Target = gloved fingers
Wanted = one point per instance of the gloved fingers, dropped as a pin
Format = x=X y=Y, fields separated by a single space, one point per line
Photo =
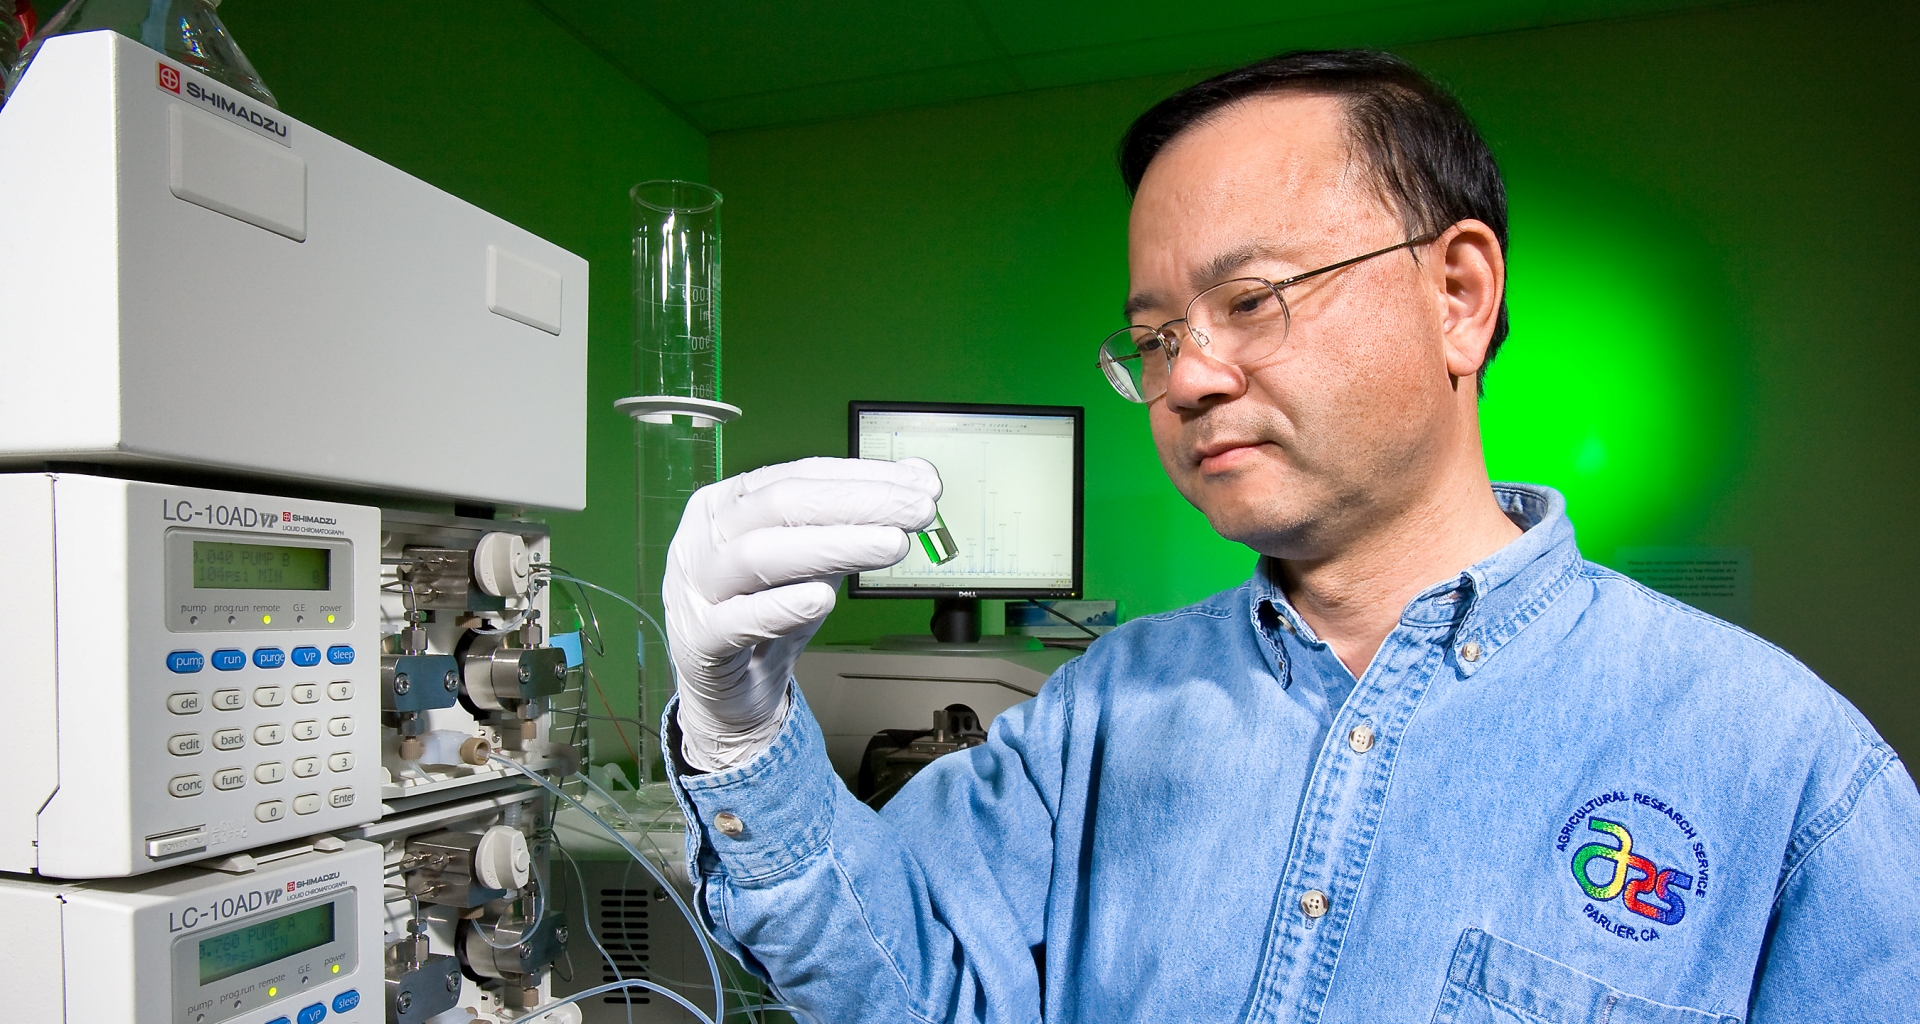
x=817 y=502
x=903 y=472
x=742 y=622
x=777 y=556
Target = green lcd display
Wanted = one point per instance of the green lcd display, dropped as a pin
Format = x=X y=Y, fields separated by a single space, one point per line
x=218 y=565
x=257 y=945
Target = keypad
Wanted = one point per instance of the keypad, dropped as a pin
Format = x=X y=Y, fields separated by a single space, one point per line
x=267 y=735
x=306 y=767
x=270 y=772
x=186 y=785
x=269 y=696
x=229 y=700
x=306 y=657
x=185 y=661
x=229 y=739
x=340 y=654
x=269 y=657
x=306 y=730
x=229 y=660
x=270 y=810
x=340 y=726
x=229 y=778
x=340 y=691
x=184 y=703
x=340 y=762
x=306 y=693
x=340 y=798
x=306 y=803
x=185 y=744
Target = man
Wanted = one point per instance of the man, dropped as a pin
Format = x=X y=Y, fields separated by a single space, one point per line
x=1426 y=765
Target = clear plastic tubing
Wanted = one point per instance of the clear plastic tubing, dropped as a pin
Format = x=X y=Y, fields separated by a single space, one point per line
x=676 y=351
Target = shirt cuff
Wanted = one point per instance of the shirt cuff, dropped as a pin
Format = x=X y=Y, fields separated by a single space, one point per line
x=763 y=818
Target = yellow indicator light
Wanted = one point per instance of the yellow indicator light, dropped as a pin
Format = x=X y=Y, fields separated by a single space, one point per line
x=329 y=618
x=271 y=992
x=264 y=619
x=336 y=968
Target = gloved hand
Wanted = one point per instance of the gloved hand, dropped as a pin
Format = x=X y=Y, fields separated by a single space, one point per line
x=751 y=574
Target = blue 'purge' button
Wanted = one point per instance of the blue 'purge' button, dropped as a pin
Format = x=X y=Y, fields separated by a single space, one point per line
x=306 y=657
x=279 y=1020
x=186 y=661
x=314 y=1014
x=269 y=657
x=346 y=1000
x=340 y=654
x=229 y=660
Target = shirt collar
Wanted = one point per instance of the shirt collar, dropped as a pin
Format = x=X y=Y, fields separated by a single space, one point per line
x=1489 y=602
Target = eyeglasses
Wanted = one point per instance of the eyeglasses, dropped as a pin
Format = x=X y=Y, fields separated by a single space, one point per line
x=1238 y=322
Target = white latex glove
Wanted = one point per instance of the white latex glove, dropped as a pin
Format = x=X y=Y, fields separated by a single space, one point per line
x=752 y=572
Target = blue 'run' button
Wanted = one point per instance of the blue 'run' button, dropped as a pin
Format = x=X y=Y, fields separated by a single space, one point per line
x=346 y=1000
x=186 y=661
x=229 y=660
x=269 y=657
x=340 y=654
x=314 y=1014
x=306 y=657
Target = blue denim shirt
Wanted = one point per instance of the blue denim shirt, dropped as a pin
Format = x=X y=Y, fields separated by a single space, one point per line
x=1554 y=796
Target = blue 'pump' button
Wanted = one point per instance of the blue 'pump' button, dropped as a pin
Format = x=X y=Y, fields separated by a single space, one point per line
x=186 y=661
x=229 y=660
x=314 y=1014
x=269 y=657
x=306 y=657
x=346 y=1000
x=340 y=654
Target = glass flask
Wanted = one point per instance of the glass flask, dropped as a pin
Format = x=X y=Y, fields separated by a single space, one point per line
x=189 y=31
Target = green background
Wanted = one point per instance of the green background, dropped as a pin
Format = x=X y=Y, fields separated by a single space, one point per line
x=1712 y=283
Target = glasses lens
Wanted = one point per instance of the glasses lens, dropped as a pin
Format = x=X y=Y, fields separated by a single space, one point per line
x=1135 y=362
x=1240 y=321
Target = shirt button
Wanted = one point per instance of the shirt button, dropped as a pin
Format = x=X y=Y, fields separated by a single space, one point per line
x=1313 y=903
x=1361 y=738
x=1470 y=651
x=729 y=823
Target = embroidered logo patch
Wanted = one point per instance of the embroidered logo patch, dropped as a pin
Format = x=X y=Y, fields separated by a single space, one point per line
x=1639 y=850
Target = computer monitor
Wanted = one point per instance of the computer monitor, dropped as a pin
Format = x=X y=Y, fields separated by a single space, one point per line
x=1011 y=504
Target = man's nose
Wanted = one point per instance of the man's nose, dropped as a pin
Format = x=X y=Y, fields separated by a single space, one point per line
x=1198 y=380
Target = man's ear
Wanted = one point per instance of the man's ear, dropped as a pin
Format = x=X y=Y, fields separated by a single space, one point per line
x=1474 y=280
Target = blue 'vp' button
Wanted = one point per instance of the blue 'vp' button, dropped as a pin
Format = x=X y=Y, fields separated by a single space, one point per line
x=229 y=660
x=314 y=1014
x=340 y=654
x=306 y=657
x=346 y=1000
x=185 y=661
x=269 y=657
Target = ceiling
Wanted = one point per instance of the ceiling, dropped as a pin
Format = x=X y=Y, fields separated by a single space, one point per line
x=753 y=63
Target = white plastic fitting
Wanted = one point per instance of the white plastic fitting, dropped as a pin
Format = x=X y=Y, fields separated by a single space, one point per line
x=500 y=564
x=501 y=860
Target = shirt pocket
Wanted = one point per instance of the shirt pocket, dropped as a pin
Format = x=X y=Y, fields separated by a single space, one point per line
x=1493 y=981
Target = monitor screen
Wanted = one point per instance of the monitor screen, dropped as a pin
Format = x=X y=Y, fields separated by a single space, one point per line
x=1010 y=503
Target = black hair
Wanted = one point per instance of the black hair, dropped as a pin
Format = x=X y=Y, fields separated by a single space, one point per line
x=1428 y=160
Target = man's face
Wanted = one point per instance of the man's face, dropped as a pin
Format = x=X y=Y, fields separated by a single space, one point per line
x=1300 y=452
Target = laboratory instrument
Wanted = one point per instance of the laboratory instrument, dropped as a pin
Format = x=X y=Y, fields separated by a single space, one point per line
x=676 y=403
x=1010 y=507
x=292 y=934
x=466 y=667
x=203 y=286
x=196 y=672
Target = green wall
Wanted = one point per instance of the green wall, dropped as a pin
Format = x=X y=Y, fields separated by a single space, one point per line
x=506 y=110
x=1712 y=288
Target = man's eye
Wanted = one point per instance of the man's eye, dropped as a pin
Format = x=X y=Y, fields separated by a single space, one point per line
x=1253 y=302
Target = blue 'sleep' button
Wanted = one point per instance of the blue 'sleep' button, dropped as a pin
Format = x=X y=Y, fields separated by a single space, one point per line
x=340 y=654
x=346 y=1000
x=306 y=657
x=229 y=660
x=186 y=661
x=314 y=1014
x=269 y=657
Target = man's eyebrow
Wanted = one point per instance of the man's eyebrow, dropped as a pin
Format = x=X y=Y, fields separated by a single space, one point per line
x=1225 y=265
x=1137 y=302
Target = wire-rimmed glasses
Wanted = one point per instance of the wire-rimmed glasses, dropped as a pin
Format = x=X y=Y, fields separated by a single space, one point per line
x=1238 y=322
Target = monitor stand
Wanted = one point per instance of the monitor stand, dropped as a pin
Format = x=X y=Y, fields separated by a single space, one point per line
x=955 y=630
